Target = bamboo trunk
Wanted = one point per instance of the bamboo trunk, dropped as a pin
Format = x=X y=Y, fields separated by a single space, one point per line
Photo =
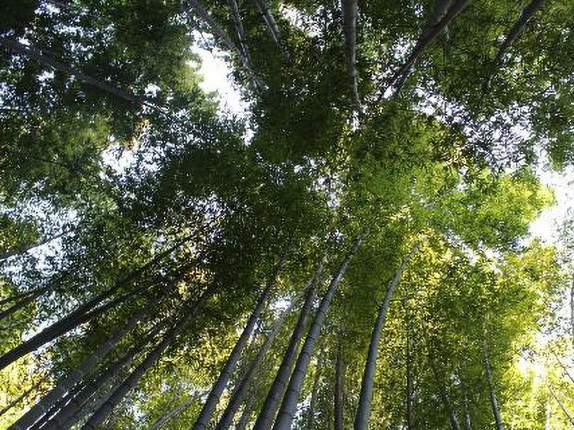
x=41 y=424
x=239 y=27
x=217 y=389
x=410 y=387
x=77 y=374
x=289 y=405
x=490 y=379
x=133 y=379
x=39 y=56
x=527 y=13
x=218 y=31
x=443 y=395
x=350 y=9
x=339 y=389
x=84 y=313
x=564 y=368
x=572 y=311
x=426 y=39
x=243 y=386
x=562 y=406
x=60 y=328
x=244 y=420
x=87 y=409
x=272 y=26
x=367 y=383
x=467 y=421
x=75 y=402
x=315 y=393
x=269 y=410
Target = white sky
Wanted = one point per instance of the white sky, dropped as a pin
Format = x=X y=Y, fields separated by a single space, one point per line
x=216 y=78
x=548 y=224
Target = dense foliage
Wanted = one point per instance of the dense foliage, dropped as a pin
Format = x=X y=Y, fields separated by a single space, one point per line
x=353 y=251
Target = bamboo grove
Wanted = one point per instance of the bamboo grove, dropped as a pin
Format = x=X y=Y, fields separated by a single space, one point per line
x=351 y=252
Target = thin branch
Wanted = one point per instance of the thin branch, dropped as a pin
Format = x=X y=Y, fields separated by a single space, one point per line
x=164 y=419
x=18 y=296
x=562 y=365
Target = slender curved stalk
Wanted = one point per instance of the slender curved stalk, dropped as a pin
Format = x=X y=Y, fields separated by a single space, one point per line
x=289 y=405
x=562 y=406
x=21 y=397
x=350 y=9
x=426 y=39
x=102 y=413
x=201 y=11
x=21 y=304
x=490 y=379
x=172 y=414
x=367 y=384
x=269 y=410
x=272 y=27
x=21 y=295
x=217 y=389
x=84 y=313
x=242 y=387
x=25 y=248
x=527 y=13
